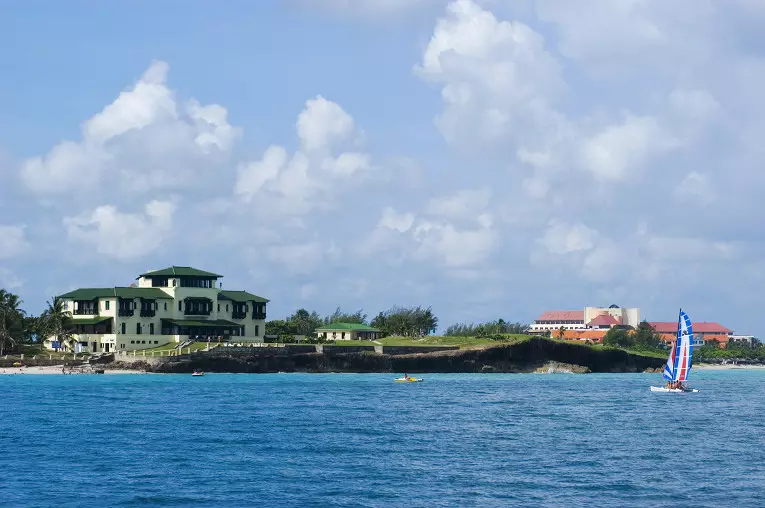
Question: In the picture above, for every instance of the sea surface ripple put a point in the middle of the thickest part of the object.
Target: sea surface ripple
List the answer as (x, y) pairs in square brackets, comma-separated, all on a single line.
[(362, 440)]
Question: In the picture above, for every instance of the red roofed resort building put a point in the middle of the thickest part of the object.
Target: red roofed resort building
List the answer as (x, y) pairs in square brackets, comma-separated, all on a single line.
[(592, 323), (703, 332), (591, 318)]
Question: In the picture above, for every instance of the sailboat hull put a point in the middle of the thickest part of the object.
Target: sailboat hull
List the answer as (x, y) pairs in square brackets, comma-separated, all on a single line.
[(672, 390)]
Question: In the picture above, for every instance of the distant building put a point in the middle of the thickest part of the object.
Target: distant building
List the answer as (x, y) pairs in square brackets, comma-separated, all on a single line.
[(172, 305), (703, 332), (347, 331), (591, 318)]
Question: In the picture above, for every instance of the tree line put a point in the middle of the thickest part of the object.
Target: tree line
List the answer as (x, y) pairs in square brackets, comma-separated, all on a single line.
[(399, 321), (488, 329), (17, 328)]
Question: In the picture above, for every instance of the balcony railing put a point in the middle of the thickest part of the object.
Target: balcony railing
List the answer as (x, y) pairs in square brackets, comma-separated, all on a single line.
[(86, 312), (197, 312), (239, 314), (148, 313), (125, 312), (258, 315)]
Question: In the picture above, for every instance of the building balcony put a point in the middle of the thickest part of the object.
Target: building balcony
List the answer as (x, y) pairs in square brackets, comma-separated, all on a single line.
[(259, 315), (148, 313), (196, 312), (125, 312), (238, 315), (86, 312)]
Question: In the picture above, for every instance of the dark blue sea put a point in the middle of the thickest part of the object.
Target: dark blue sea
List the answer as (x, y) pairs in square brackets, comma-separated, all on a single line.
[(362, 440)]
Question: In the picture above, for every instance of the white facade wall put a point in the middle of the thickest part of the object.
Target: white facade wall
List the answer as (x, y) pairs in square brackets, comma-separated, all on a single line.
[(629, 316), (130, 340)]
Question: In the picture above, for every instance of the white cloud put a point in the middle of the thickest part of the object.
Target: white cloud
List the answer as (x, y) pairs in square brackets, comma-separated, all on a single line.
[(496, 75), (452, 247), (311, 177), (562, 237), (123, 236), (399, 222), (323, 124), (696, 188), (9, 280), (465, 204), (13, 241), (142, 140), (297, 259), (436, 239), (617, 149)]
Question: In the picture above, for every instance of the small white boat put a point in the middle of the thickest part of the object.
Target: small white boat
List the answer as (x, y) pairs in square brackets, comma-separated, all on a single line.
[(197, 373), (672, 390), (408, 380), (678, 364)]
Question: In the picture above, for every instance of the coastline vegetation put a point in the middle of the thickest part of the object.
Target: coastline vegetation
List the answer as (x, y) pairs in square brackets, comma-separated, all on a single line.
[(21, 333)]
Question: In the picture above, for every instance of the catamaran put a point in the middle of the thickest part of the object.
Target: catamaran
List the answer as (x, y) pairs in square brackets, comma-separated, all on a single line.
[(678, 364)]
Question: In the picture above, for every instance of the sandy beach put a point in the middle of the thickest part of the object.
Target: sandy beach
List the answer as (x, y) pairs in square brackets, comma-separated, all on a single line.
[(713, 366), (56, 369)]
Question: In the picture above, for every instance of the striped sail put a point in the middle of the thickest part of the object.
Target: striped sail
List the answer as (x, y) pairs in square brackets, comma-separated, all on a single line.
[(679, 362)]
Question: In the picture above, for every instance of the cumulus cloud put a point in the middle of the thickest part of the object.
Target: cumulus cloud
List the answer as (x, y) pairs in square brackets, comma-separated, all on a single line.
[(145, 139), (123, 236), (297, 184), (496, 76)]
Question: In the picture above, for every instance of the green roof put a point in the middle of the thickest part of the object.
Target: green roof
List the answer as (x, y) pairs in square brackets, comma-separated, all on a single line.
[(93, 293), (241, 296), (88, 321), (216, 323), (181, 271), (357, 327)]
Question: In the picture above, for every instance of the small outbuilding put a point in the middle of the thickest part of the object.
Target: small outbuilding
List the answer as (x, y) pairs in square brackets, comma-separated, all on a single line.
[(347, 331)]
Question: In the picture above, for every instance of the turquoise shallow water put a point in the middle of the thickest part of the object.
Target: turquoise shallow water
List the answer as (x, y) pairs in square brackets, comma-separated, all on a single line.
[(362, 440)]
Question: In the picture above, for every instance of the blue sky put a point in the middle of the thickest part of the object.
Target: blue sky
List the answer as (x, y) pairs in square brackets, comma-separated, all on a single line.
[(489, 158)]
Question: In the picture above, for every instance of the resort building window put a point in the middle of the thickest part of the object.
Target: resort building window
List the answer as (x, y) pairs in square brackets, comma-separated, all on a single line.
[(160, 282), (180, 306), (151, 328), (165, 306), (148, 308), (123, 329), (106, 305), (126, 307), (257, 330), (86, 307), (138, 328)]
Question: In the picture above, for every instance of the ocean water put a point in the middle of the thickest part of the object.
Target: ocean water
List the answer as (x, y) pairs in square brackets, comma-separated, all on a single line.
[(362, 440)]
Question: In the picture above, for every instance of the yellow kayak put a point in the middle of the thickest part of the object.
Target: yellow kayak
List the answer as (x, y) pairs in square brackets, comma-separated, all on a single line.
[(407, 380)]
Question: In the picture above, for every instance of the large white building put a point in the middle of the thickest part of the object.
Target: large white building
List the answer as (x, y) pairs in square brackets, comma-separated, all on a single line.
[(172, 305), (591, 318)]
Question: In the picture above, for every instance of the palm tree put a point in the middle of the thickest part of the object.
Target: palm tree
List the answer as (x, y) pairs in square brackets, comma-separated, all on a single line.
[(11, 321), (56, 323), (561, 332)]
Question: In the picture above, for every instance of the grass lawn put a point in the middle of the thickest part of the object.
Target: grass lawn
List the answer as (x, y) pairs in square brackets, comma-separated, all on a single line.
[(463, 342)]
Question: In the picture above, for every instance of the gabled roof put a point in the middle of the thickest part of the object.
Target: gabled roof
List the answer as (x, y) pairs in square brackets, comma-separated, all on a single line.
[(180, 271), (93, 293), (241, 296), (562, 315), (356, 327), (603, 320), (698, 327)]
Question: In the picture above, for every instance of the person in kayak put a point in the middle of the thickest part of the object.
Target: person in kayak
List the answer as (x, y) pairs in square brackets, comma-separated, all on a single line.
[(406, 376)]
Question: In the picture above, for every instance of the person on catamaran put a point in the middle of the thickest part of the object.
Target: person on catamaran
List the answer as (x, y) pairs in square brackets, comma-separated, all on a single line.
[(406, 376)]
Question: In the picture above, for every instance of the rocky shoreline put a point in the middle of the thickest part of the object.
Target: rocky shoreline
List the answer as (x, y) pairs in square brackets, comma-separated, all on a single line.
[(534, 355)]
